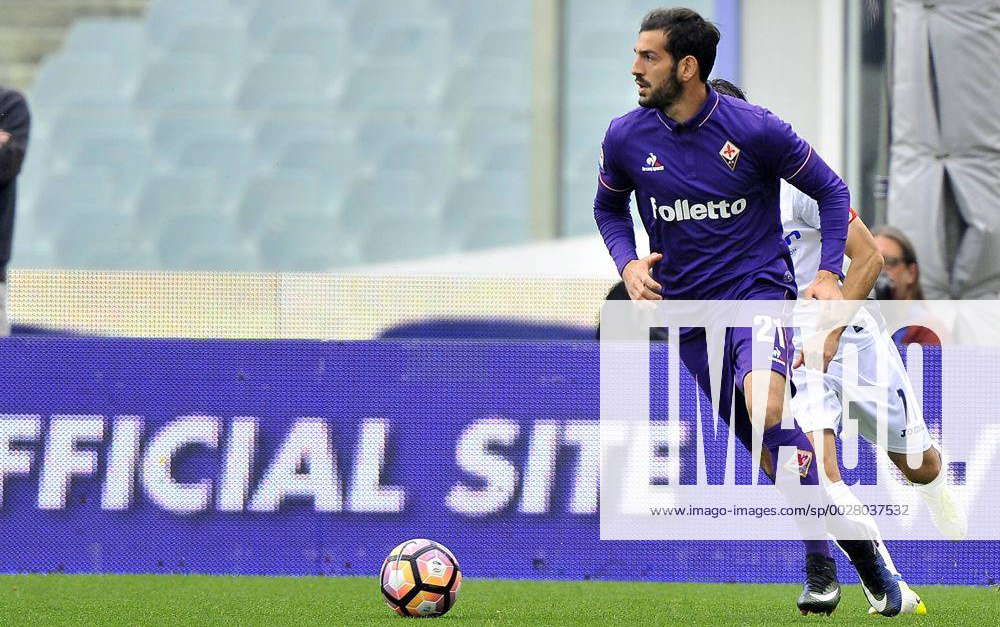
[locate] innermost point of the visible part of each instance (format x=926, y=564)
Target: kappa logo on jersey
x=683, y=210
x=652, y=164
x=730, y=154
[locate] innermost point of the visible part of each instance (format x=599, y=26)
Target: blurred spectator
x=15, y=122
x=900, y=280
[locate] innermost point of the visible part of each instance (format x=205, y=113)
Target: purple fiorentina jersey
x=707, y=192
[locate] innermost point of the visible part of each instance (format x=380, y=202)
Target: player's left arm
x=15, y=122
x=794, y=160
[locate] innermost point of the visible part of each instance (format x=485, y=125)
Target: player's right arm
x=614, y=220
x=866, y=260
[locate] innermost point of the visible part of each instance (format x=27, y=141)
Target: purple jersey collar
x=711, y=103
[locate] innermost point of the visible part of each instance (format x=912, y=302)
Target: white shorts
x=868, y=393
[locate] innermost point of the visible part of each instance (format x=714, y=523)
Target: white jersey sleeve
x=804, y=209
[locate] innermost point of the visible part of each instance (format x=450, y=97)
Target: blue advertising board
x=307, y=457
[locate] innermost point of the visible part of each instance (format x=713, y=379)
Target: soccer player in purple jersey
x=706, y=170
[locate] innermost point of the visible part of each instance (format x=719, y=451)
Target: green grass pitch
x=198, y=600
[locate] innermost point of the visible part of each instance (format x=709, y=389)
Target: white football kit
x=868, y=392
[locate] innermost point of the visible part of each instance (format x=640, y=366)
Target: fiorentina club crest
x=800, y=463
x=730, y=154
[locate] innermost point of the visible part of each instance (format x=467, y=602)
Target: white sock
x=842, y=496
x=937, y=485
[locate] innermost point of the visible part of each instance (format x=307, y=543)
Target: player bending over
x=687, y=142
x=906, y=432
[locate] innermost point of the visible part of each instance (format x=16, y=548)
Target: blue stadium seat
x=602, y=85
x=375, y=133
x=506, y=44
x=307, y=242
x=425, y=237
x=392, y=86
x=389, y=196
x=128, y=158
x=219, y=151
x=99, y=240
x=74, y=192
x=226, y=43
x=74, y=127
x=603, y=45
x=174, y=130
x=333, y=160
x=81, y=80
x=267, y=17
x=488, y=195
x=123, y=38
x=166, y=18
x=489, y=86
x=267, y=198
x=578, y=206
x=290, y=82
x=431, y=158
x=477, y=18
x=163, y=195
x=202, y=241
x=186, y=80
x=275, y=133
x=327, y=44
x=425, y=40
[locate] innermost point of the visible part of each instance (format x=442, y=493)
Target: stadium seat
x=200, y=241
x=127, y=158
x=333, y=160
x=75, y=126
x=603, y=45
x=267, y=198
x=307, y=242
x=221, y=151
x=392, y=86
x=478, y=142
x=478, y=18
x=109, y=243
x=123, y=38
x=424, y=40
x=391, y=195
x=290, y=82
x=326, y=44
x=74, y=192
x=375, y=133
x=494, y=194
x=81, y=80
x=273, y=134
x=186, y=80
x=166, y=18
x=425, y=236
x=488, y=86
x=163, y=195
x=174, y=130
x=506, y=44
x=225, y=43
x=428, y=157
x=267, y=17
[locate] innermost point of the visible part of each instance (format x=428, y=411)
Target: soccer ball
x=420, y=578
